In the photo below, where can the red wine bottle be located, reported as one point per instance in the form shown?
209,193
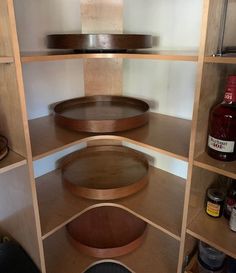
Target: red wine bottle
222,125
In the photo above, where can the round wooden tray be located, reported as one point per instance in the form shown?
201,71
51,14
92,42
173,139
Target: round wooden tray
105,172
107,267
107,232
101,42
101,114
4,150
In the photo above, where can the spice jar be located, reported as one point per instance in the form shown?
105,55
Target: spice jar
215,202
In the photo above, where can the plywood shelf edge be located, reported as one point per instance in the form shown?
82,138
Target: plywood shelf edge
6,60
204,161
162,55
12,161
220,60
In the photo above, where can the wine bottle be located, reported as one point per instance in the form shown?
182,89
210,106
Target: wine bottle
222,125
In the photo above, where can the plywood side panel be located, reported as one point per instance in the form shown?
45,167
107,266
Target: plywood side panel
16,210
230,33
11,123
214,26
102,76
5,40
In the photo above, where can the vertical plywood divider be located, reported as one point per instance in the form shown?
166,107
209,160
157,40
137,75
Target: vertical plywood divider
230,33
5,41
102,76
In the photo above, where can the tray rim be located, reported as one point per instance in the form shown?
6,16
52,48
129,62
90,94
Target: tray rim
111,193
110,252
102,125
83,41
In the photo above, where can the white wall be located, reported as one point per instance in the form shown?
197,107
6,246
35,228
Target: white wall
168,86
175,23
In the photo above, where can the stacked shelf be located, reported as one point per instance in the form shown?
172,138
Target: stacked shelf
207,229
158,251
220,60
58,206
159,134
13,160
224,168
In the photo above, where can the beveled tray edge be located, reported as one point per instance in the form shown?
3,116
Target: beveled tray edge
107,194
101,126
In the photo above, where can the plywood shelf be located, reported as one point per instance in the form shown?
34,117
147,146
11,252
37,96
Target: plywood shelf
154,204
158,253
220,60
164,134
153,55
224,168
13,160
6,60
215,232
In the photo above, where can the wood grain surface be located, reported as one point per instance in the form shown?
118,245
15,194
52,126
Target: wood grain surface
107,232
105,172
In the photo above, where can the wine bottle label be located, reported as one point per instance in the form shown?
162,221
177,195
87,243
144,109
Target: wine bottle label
221,145
213,209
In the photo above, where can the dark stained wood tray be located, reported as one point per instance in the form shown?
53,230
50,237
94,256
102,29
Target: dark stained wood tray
107,267
107,232
105,172
4,150
102,42
101,114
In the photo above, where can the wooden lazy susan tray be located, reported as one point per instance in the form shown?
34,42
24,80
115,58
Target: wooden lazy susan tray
3,147
101,113
105,172
107,267
106,232
99,42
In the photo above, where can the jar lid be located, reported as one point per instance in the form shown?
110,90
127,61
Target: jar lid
215,194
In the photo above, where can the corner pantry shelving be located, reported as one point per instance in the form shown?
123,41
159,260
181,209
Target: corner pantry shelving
171,206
